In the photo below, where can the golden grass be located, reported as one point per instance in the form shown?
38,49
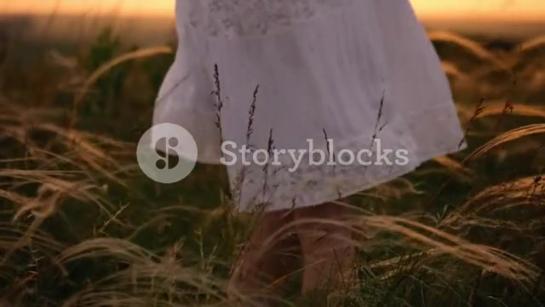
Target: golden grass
452,70
532,44
510,136
106,67
78,166
468,45
455,167
497,108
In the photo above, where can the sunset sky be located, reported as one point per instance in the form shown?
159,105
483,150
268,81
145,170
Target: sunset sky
493,9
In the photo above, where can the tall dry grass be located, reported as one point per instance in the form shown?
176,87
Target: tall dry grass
81,226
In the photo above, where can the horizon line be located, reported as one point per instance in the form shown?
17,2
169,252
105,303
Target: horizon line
436,17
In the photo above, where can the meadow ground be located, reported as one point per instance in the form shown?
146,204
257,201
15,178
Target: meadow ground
81,226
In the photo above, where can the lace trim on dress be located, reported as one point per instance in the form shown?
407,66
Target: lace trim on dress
261,17
274,188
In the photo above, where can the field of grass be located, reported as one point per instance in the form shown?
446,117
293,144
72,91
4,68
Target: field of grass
80,225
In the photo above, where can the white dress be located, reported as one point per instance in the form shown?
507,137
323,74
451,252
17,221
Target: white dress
350,71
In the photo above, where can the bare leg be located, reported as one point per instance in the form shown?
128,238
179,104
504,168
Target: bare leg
266,262
327,248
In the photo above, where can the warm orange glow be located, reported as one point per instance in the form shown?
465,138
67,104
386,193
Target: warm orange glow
489,9
125,7
482,9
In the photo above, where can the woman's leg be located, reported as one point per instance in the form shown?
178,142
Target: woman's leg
327,246
266,261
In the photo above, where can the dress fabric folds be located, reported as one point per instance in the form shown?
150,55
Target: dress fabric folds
361,74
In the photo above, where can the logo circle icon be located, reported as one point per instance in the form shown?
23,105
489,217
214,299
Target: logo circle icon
167,153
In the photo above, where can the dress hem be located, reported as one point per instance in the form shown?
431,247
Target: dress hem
331,197
420,157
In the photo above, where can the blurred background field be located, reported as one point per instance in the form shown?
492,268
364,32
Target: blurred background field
80,225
